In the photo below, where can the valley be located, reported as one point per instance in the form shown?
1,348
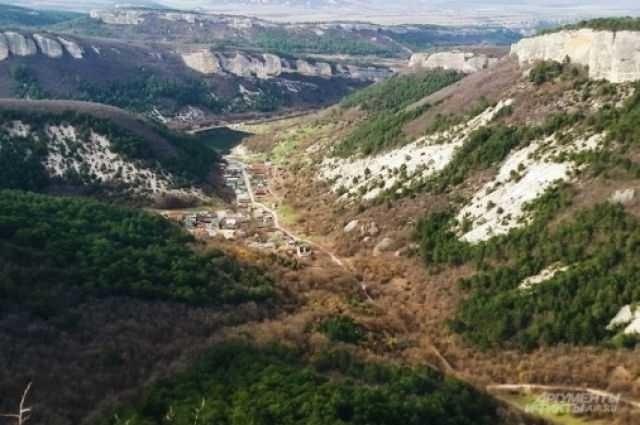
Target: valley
217,219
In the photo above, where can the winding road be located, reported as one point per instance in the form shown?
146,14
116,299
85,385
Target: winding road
278,225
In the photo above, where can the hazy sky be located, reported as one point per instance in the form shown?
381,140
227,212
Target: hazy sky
383,11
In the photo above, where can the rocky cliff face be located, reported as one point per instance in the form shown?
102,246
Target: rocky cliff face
49,46
20,45
612,56
17,44
125,16
264,66
466,62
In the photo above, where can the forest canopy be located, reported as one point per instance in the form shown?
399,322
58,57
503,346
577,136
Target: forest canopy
240,384
56,251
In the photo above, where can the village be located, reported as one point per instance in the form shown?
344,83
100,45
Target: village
249,220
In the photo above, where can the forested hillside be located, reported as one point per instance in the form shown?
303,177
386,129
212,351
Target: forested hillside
97,150
242,384
57,252
385,105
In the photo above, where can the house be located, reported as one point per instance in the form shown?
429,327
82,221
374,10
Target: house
258,170
261,191
205,218
243,199
229,223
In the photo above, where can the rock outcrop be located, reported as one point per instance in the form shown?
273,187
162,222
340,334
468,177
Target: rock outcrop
48,46
118,16
264,66
203,61
319,69
4,48
466,62
612,56
72,47
20,45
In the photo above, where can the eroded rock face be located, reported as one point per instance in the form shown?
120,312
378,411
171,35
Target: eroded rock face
119,17
466,62
48,46
72,48
20,45
4,48
369,73
203,61
268,65
319,69
612,56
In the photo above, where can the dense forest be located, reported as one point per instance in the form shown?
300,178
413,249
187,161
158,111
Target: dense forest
148,90
331,42
241,384
604,24
58,251
386,105
425,37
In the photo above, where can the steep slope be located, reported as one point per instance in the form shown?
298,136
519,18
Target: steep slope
92,148
91,291
174,83
516,189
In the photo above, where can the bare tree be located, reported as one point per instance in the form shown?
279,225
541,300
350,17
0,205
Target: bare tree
24,413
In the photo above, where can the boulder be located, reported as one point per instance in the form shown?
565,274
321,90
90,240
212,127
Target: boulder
383,246
20,45
48,46
72,48
351,226
623,196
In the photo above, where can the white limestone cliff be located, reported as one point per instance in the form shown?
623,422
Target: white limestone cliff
319,69
612,56
48,46
466,62
118,16
72,48
20,45
267,65
203,61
